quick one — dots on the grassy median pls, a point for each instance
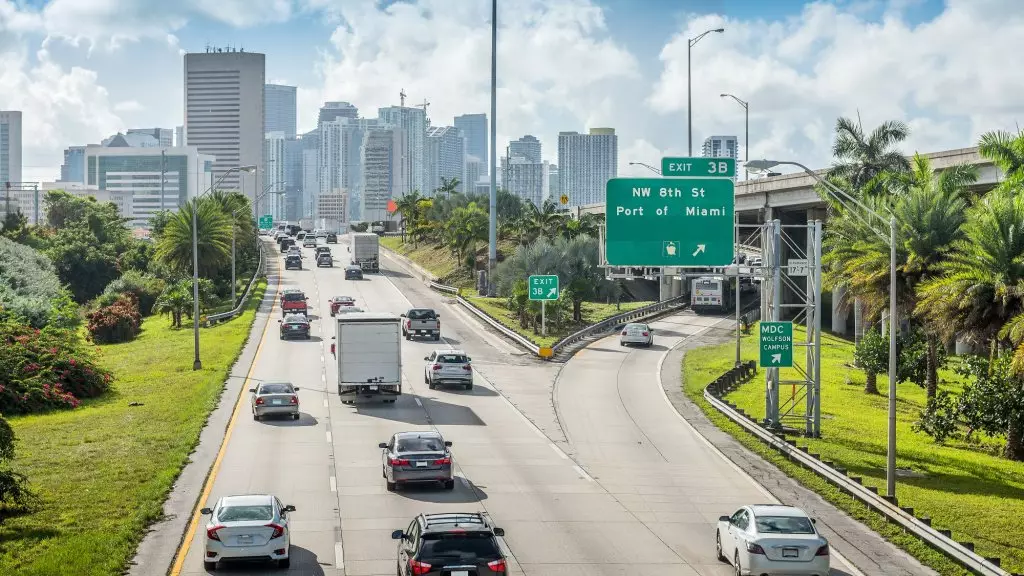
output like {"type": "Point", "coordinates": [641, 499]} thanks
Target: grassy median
{"type": "Point", "coordinates": [435, 259]}
{"type": "Point", "coordinates": [965, 488]}
{"type": "Point", "coordinates": [104, 470]}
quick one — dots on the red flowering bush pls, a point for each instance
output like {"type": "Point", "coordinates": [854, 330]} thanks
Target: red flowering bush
{"type": "Point", "coordinates": [118, 322]}
{"type": "Point", "coordinates": [45, 369]}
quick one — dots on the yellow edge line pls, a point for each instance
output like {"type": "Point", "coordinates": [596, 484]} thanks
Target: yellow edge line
{"type": "Point", "coordinates": [179, 559]}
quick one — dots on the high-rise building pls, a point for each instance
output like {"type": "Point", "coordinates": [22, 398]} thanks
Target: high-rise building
{"type": "Point", "coordinates": [10, 146]}
{"type": "Point", "coordinates": [131, 140]}
{"type": "Point", "coordinates": [73, 168]}
{"type": "Point", "coordinates": [274, 182]}
{"type": "Point", "coordinates": [134, 175]}
{"type": "Point", "coordinates": [585, 164]}
{"type": "Point", "coordinates": [293, 178]}
{"type": "Point", "coordinates": [179, 136]}
{"type": "Point", "coordinates": [340, 140]}
{"type": "Point", "coordinates": [475, 172]}
{"type": "Point", "coordinates": [720, 147]}
{"type": "Point", "coordinates": [554, 187]}
{"type": "Point", "coordinates": [527, 147]}
{"type": "Point", "coordinates": [474, 128]}
{"type": "Point", "coordinates": [332, 210]}
{"type": "Point", "coordinates": [445, 157]}
{"type": "Point", "coordinates": [412, 123]}
{"type": "Point", "coordinates": [331, 110]}
{"type": "Point", "coordinates": [224, 114]}
{"type": "Point", "coordinates": [280, 110]}
{"type": "Point", "coordinates": [310, 144]}
{"type": "Point", "coordinates": [525, 179]}
{"type": "Point", "coordinates": [384, 172]}
{"type": "Point", "coordinates": [164, 136]}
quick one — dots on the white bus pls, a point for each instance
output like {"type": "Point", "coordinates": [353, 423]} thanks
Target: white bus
{"type": "Point", "coordinates": [711, 295]}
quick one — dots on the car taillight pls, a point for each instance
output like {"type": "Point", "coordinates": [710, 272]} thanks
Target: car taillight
{"type": "Point", "coordinates": [259, 400]}
{"type": "Point", "coordinates": [211, 533]}
{"type": "Point", "coordinates": [398, 462]}
{"type": "Point", "coordinates": [435, 367]}
{"type": "Point", "coordinates": [278, 530]}
{"type": "Point", "coordinates": [419, 567]}
{"type": "Point", "coordinates": [467, 368]}
{"type": "Point", "coordinates": [647, 333]}
{"type": "Point", "coordinates": [623, 332]}
{"type": "Point", "coordinates": [497, 565]}
{"type": "Point", "coordinates": [823, 551]}
{"type": "Point", "coordinates": [754, 548]}
{"type": "Point", "coordinates": [293, 400]}
{"type": "Point", "coordinates": [445, 460]}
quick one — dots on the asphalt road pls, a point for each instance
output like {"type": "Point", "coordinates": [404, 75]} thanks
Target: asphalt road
{"type": "Point", "coordinates": [630, 490]}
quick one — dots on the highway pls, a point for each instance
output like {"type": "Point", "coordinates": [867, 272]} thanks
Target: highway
{"type": "Point", "coordinates": [628, 490]}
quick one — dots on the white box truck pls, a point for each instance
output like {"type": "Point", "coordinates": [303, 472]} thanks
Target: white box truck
{"type": "Point", "coordinates": [368, 347]}
{"type": "Point", "coordinates": [365, 249]}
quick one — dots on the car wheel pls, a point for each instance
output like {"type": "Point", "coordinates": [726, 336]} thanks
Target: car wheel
{"type": "Point", "coordinates": [431, 385]}
{"type": "Point", "coordinates": [621, 343]}
{"type": "Point", "coordinates": [296, 416]}
{"type": "Point", "coordinates": [736, 565]}
{"type": "Point", "coordinates": [391, 486]}
{"type": "Point", "coordinates": [469, 386]}
{"type": "Point", "coordinates": [210, 566]}
{"type": "Point", "coordinates": [255, 416]}
{"type": "Point", "coordinates": [449, 485]}
{"type": "Point", "coordinates": [284, 563]}
{"type": "Point", "coordinates": [718, 547]}
{"type": "Point", "coordinates": [437, 337]}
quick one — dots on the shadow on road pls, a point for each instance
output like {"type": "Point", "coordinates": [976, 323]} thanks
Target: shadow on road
{"type": "Point", "coordinates": [430, 412]}
{"type": "Point", "coordinates": [460, 391]}
{"type": "Point", "coordinates": [393, 273]}
{"type": "Point", "coordinates": [303, 562]}
{"type": "Point", "coordinates": [465, 492]}
{"type": "Point", "coordinates": [287, 422]}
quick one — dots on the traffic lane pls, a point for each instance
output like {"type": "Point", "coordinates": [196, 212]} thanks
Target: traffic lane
{"type": "Point", "coordinates": [627, 435]}
{"type": "Point", "coordinates": [290, 459]}
{"type": "Point", "coordinates": [556, 517]}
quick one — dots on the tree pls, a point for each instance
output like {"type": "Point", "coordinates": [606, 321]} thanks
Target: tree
{"type": "Point", "coordinates": [15, 226]}
{"type": "Point", "coordinates": [83, 261]}
{"type": "Point", "coordinates": [28, 282]}
{"type": "Point", "coordinates": [992, 401]}
{"type": "Point", "coordinates": [861, 157]}
{"type": "Point", "coordinates": [872, 355]}
{"type": "Point", "coordinates": [1006, 150]}
{"type": "Point", "coordinates": [175, 301]}
{"type": "Point", "coordinates": [174, 247]}
{"type": "Point", "coordinates": [466, 227]}
{"type": "Point", "coordinates": [15, 496]}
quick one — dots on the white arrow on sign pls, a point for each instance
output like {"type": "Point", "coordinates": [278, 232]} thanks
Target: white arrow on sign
{"type": "Point", "coordinates": [700, 248]}
{"type": "Point", "coordinates": [553, 292]}
{"type": "Point", "coordinates": [776, 358]}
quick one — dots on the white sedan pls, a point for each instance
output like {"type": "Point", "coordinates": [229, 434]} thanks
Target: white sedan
{"type": "Point", "coordinates": [640, 334]}
{"type": "Point", "coordinates": [251, 527]}
{"type": "Point", "coordinates": [772, 539]}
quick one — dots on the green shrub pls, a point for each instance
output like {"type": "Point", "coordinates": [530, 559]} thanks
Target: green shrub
{"type": "Point", "coordinates": [28, 282]}
{"type": "Point", "coordinates": [144, 287]}
{"type": "Point", "coordinates": [119, 322]}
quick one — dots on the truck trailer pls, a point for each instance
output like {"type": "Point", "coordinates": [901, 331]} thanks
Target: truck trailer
{"type": "Point", "coordinates": [368, 348]}
{"type": "Point", "coordinates": [365, 249]}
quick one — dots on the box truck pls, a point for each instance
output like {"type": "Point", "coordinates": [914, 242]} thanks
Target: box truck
{"type": "Point", "coordinates": [365, 250]}
{"type": "Point", "coordinates": [368, 348]}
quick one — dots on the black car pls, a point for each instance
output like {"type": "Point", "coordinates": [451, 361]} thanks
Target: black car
{"type": "Point", "coordinates": [318, 250]}
{"type": "Point", "coordinates": [353, 273]}
{"type": "Point", "coordinates": [324, 259]}
{"type": "Point", "coordinates": [286, 243]}
{"type": "Point", "coordinates": [293, 261]}
{"type": "Point", "coordinates": [332, 238]}
{"type": "Point", "coordinates": [443, 544]}
{"type": "Point", "coordinates": [294, 326]}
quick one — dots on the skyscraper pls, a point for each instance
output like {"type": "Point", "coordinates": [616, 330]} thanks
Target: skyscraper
{"type": "Point", "coordinates": [293, 178]}
{"type": "Point", "coordinates": [525, 179]}
{"type": "Point", "coordinates": [412, 123]}
{"type": "Point", "coordinates": [224, 114]}
{"type": "Point", "coordinates": [163, 136]}
{"type": "Point", "coordinates": [331, 110]}
{"type": "Point", "coordinates": [527, 147]}
{"type": "Point", "coordinates": [384, 170]}
{"type": "Point", "coordinates": [276, 163]}
{"type": "Point", "coordinates": [10, 147]}
{"type": "Point", "coordinates": [310, 143]}
{"type": "Point", "coordinates": [585, 164]}
{"type": "Point", "coordinates": [179, 136]}
{"type": "Point", "coordinates": [474, 128]}
{"type": "Point", "coordinates": [445, 157]}
{"type": "Point", "coordinates": [721, 147]}
{"type": "Point", "coordinates": [280, 110]}
{"type": "Point", "coordinates": [73, 168]}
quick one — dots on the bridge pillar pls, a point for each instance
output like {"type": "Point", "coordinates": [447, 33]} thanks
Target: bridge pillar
{"type": "Point", "coordinates": [839, 315]}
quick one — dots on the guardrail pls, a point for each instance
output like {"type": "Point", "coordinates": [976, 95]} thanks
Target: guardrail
{"type": "Point", "coordinates": [921, 527]}
{"type": "Point", "coordinates": [508, 332]}
{"type": "Point", "coordinates": [604, 325]}
{"type": "Point", "coordinates": [215, 318]}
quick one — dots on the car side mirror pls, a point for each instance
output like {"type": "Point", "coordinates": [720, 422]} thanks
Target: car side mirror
{"type": "Point", "coordinates": [814, 520]}
{"type": "Point", "coordinates": [499, 532]}
{"type": "Point", "coordinates": [382, 445]}
{"type": "Point", "coordinates": [334, 337]}
{"type": "Point", "coordinates": [402, 315]}
{"type": "Point", "coordinates": [723, 519]}
{"type": "Point", "coordinates": [206, 511]}
{"type": "Point", "coordinates": [427, 358]}
{"type": "Point", "coordinates": [448, 443]}
{"type": "Point", "coordinates": [397, 535]}
{"type": "Point", "coordinates": [279, 321]}
{"type": "Point", "coordinates": [253, 390]}
{"type": "Point", "coordinates": [295, 387]}
{"type": "Point", "coordinates": [437, 316]}
{"type": "Point", "coordinates": [468, 359]}
{"type": "Point", "coordinates": [289, 508]}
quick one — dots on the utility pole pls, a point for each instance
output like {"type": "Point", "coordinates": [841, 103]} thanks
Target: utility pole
{"type": "Point", "coordinates": [492, 248]}
{"type": "Point", "coordinates": [163, 176]}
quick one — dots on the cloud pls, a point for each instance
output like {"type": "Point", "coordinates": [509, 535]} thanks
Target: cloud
{"type": "Point", "coordinates": [128, 106]}
{"type": "Point", "coordinates": [946, 77]}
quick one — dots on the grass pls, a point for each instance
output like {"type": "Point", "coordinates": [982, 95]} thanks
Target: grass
{"type": "Point", "coordinates": [437, 260]}
{"type": "Point", "coordinates": [593, 312]}
{"type": "Point", "coordinates": [104, 470]}
{"type": "Point", "coordinates": [965, 488]}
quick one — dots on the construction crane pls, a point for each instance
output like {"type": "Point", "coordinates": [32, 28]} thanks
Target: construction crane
{"type": "Point", "coordinates": [424, 105]}
{"type": "Point", "coordinates": [401, 96]}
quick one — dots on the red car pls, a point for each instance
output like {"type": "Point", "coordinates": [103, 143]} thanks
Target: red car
{"type": "Point", "coordinates": [293, 301]}
{"type": "Point", "coordinates": [339, 301]}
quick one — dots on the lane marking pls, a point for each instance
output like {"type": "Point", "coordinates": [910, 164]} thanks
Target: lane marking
{"type": "Point", "coordinates": [321, 356]}
{"type": "Point", "coordinates": [323, 378]}
{"type": "Point", "coordinates": [559, 451]}
{"type": "Point", "coordinates": [334, 484]}
{"type": "Point", "coordinates": [179, 560]}
{"type": "Point", "coordinates": [582, 473]}
{"type": "Point", "coordinates": [339, 556]}
{"type": "Point", "coordinates": [325, 402]}
{"type": "Point", "coordinates": [536, 429]}
{"type": "Point", "coordinates": [329, 438]}
{"type": "Point", "coordinates": [419, 402]}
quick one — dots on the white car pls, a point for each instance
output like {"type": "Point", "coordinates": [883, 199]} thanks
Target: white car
{"type": "Point", "coordinates": [772, 539]}
{"type": "Point", "coordinates": [640, 334]}
{"type": "Point", "coordinates": [250, 527]}
{"type": "Point", "coordinates": [448, 367]}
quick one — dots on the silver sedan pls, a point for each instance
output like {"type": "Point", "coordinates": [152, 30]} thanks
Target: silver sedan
{"type": "Point", "coordinates": [275, 399]}
{"type": "Point", "coordinates": [640, 334]}
{"type": "Point", "coordinates": [410, 457]}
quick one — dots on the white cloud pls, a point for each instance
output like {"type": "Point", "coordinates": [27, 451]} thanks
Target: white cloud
{"type": "Point", "coordinates": [128, 106]}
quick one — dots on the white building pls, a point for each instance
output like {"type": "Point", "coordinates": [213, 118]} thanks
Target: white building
{"type": "Point", "coordinates": [527, 147]}
{"type": "Point", "coordinates": [179, 136]}
{"type": "Point", "coordinates": [384, 173]}
{"type": "Point", "coordinates": [31, 199]}
{"type": "Point", "coordinates": [134, 175]}
{"type": "Point", "coordinates": [475, 172]}
{"type": "Point", "coordinates": [276, 161]}
{"type": "Point", "coordinates": [525, 179]}
{"type": "Point", "coordinates": [720, 147]}
{"type": "Point", "coordinates": [474, 128]}
{"type": "Point", "coordinates": [413, 125]}
{"type": "Point", "coordinates": [585, 164]}
{"type": "Point", "coordinates": [224, 113]}
{"type": "Point", "coordinates": [332, 208]}
{"type": "Point", "coordinates": [445, 157]}
{"type": "Point", "coordinates": [163, 136]}
{"type": "Point", "coordinates": [10, 146]}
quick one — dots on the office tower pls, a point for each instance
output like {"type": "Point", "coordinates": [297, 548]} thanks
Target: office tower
{"type": "Point", "coordinates": [445, 157]}
{"type": "Point", "coordinates": [10, 147]}
{"type": "Point", "coordinates": [274, 159]}
{"type": "Point", "coordinates": [310, 145]}
{"type": "Point", "coordinates": [527, 147]}
{"type": "Point", "coordinates": [720, 147]}
{"type": "Point", "coordinates": [332, 210]}
{"type": "Point", "coordinates": [384, 172]}
{"type": "Point", "coordinates": [73, 168]}
{"type": "Point", "coordinates": [280, 111]}
{"type": "Point", "coordinates": [554, 188]}
{"type": "Point", "coordinates": [332, 110]}
{"type": "Point", "coordinates": [179, 136]}
{"type": "Point", "coordinates": [293, 178]}
{"type": "Point", "coordinates": [131, 140]}
{"type": "Point", "coordinates": [132, 176]}
{"type": "Point", "coordinates": [474, 128]}
{"type": "Point", "coordinates": [412, 123]}
{"type": "Point", "coordinates": [525, 179]}
{"type": "Point", "coordinates": [585, 164]}
{"type": "Point", "coordinates": [340, 140]}
{"type": "Point", "coordinates": [224, 114]}
{"type": "Point", "coordinates": [164, 136]}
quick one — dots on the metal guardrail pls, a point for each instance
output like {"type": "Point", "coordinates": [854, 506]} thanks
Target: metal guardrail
{"type": "Point", "coordinates": [604, 325]}
{"type": "Point", "coordinates": [508, 332]}
{"type": "Point", "coordinates": [942, 540]}
{"type": "Point", "coordinates": [215, 318]}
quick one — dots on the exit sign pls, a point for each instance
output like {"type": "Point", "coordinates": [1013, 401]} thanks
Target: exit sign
{"type": "Point", "coordinates": [699, 167]}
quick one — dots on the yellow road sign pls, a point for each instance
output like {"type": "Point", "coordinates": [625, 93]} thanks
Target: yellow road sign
{"type": "Point", "coordinates": [564, 199]}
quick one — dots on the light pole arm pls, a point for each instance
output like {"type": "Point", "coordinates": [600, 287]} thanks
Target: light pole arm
{"type": "Point", "coordinates": [648, 166]}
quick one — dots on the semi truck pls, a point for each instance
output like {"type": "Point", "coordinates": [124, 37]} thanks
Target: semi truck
{"type": "Point", "coordinates": [365, 249]}
{"type": "Point", "coordinates": [368, 348]}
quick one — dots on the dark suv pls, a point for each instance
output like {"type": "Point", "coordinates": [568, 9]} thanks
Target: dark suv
{"type": "Point", "coordinates": [443, 544]}
{"type": "Point", "coordinates": [292, 261]}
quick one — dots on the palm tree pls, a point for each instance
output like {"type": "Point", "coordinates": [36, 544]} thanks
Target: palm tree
{"type": "Point", "coordinates": [1005, 150]}
{"type": "Point", "coordinates": [174, 247]}
{"type": "Point", "coordinates": [176, 301]}
{"type": "Point", "coordinates": [861, 158]}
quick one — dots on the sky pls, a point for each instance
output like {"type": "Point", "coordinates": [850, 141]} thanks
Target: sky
{"type": "Point", "coordinates": [81, 70]}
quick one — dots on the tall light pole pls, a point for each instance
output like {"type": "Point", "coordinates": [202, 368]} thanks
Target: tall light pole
{"type": "Point", "coordinates": [196, 363]}
{"type": "Point", "coordinates": [492, 247]}
{"type": "Point", "coordinates": [648, 166]}
{"type": "Point", "coordinates": [689, 89]}
{"type": "Point", "coordinates": [746, 131]}
{"type": "Point", "coordinates": [843, 196]}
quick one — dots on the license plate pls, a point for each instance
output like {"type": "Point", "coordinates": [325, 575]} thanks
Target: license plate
{"type": "Point", "coordinates": [460, 573]}
{"type": "Point", "coordinates": [373, 388]}
{"type": "Point", "coordinates": [790, 553]}
{"type": "Point", "coordinates": [421, 464]}
{"type": "Point", "coordinates": [245, 539]}
{"type": "Point", "coordinates": [276, 402]}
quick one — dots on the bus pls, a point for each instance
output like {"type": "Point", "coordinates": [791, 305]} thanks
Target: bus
{"type": "Point", "coordinates": [711, 295]}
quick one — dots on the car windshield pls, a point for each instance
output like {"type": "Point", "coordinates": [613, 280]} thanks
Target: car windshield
{"type": "Point", "coordinates": [261, 513]}
{"type": "Point", "coordinates": [783, 525]}
{"type": "Point", "coordinates": [467, 547]}
{"type": "Point", "coordinates": [276, 389]}
{"type": "Point", "coordinates": [636, 327]}
{"type": "Point", "coordinates": [294, 297]}
{"type": "Point", "coordinates": [452, 359]}
{"type": "Point", "coordinates": [421, 314]}
{"type": "Point", "coordinates": [420, 444]}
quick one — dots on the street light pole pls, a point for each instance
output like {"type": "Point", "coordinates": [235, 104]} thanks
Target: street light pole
{"type": "Point", "coordinates": [492, 248]}
{"type": "Point", "coordinates": [689, 88]}
{"type": "Point", "coordinates": [746, 131]}
{"type": "Point", "coordinates": [233, 226]}
{"type": "Point", "coordinates": [648, 166]}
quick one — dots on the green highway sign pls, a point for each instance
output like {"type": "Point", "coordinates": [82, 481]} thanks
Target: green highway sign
{"type": "Point", "coordinates": [699, 167]}
{"type": "Point", "coordinates": [544, 287]}
{"type": "Point", "coordinates": [776, 344]}
{"type": "Point", "coordinates": [267, 221]}
{"type": "Point", "coordinates": [652, 222]}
